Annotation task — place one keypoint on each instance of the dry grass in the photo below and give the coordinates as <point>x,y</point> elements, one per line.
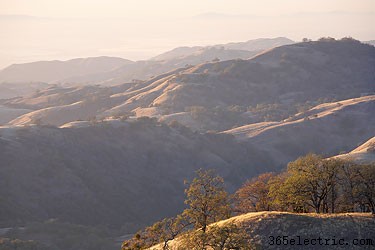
<point>261,225</point>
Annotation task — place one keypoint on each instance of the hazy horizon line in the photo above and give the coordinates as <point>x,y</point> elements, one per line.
<point>208,14</point>
<point>61,59</point>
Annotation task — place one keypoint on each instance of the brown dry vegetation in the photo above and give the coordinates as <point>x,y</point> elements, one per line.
<point>261,225</point>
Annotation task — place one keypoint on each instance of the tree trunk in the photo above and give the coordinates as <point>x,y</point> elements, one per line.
<point>372,206</point>
<point>333,198</point>
<point>317,209</point>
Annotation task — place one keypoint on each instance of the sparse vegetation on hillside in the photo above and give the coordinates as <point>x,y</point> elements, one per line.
<point>254,194</point>
<point>16,244</point>
<point>312,184</point>
<point>272,86</point>
<point>207,202</point>
<point>90,175</point>
<point>55,235</point>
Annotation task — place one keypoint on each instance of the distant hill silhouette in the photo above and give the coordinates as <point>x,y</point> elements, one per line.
<point>113,70</point>
<point>55,71</point>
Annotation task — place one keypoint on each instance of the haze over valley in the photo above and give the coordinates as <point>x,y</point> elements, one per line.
<point>97,147</point>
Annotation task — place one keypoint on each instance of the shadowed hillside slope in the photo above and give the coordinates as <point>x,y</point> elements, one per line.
<point>325,129</point>
<point>95,173</point>
<point>10,90</point>
<point>54,71</point>
<point>111,174</point>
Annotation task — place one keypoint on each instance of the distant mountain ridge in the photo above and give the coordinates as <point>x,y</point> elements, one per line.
<point>258,44</point>
<point>114,70</point>
<point>371,42</point>
<point>218,95</point>
<point>54,71</point>
<point>255,45</point>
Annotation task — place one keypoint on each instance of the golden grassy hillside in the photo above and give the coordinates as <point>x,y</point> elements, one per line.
<point>267,229</point>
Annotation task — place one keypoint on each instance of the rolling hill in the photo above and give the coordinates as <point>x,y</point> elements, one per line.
<point>222,95</point>
<point>371,42</point>
<point>113,173</point>
<point>287,76</point>
<point>364,154</point>
<point>258,44</point>
<point>128,158</point>
<point>11,90</point>
<point>324,129</point>
<point>255,45</point>
<point>353,228</point>
<point>57,71</point>
<point>113,70</point>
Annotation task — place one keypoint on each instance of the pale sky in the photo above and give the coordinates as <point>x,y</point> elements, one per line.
<point>32,30</point>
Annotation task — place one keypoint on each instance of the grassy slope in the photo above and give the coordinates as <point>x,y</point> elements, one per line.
<point>363,154</point>
<point>261,225</point>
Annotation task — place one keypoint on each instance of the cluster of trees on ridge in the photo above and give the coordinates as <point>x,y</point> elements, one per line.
<point>310,184</point>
